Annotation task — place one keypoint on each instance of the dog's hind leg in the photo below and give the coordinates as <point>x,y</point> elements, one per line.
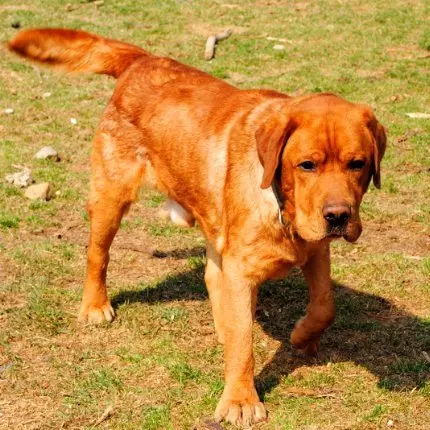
<point>114,185</point>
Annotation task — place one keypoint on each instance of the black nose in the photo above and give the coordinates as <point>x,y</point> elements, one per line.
<point>337,215</point>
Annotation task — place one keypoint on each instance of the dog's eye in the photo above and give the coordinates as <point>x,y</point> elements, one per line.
<point>308,166</point>
<point>356,164</point>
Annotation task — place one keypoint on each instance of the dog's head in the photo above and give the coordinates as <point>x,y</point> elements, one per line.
<point>323,152</point>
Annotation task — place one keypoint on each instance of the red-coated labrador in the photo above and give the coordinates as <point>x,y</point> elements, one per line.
<point>270,179</point>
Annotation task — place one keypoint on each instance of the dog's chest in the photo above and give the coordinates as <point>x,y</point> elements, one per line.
<point>273,259</point>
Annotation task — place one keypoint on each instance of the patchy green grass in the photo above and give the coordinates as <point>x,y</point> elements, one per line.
<point>153,199</point>
<point>158,366</point>
<point>165,229</point>
<point>8,221</point>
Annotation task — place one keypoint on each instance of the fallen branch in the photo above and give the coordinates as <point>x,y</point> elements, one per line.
<point>72,225</point>
<point>303,392</point>
<point>136,248</point>
<point>105,415</point>
<point>212,41</point>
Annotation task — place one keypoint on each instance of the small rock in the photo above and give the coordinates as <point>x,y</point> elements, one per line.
<point>14,91</point>
<point>73,121</point>
<point>47,153</point>
<point>39,191</point>
<point>21,179</point>
<point>46,95</point>
<point>395,98</point>
<point>68,7</point>
<point>58,193</point>
<point>390,423</point>
<point>278,47</point>
<point>9,111</point>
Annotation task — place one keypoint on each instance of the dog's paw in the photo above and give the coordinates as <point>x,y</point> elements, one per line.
<point>243,414</point>
<point>96,314</point>
<point>305,339</point>
<point>308,349</point>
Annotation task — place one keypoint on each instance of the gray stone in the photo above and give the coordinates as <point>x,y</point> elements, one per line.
<point>21,179</point>
<point>47,153</point>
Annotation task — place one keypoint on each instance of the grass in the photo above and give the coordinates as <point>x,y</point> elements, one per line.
<point>158,366</point>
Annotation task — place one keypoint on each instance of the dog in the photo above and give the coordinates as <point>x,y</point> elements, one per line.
<point>270,179</point>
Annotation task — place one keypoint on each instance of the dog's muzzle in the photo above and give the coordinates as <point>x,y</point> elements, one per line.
<point>337,217</point>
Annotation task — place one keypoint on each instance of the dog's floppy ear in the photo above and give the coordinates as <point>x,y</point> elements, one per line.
<point>379,145</point>
<point>271,138</point>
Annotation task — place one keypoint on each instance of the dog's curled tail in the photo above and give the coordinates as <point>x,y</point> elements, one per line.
<point>76,51</point>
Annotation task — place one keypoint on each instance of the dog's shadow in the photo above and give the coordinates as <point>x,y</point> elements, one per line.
<point>369,330</point>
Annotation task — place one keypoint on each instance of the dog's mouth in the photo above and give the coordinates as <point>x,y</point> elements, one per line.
<point>350,232</point>
<point>336,235</point>
<point>336,231</point>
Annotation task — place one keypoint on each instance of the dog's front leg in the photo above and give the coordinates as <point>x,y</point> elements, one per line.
<point>321,309</point>
<point>213,280</point>
<point>239,403</point>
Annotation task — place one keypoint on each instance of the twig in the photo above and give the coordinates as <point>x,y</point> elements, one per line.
<point>38,73</point>
<point>60,233</point>
<point>302,392</point>
<point>278,39</point>
<point>136,248</point>
<point>19,166</point>
<point>105,415</point>
<point>212,41</point>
